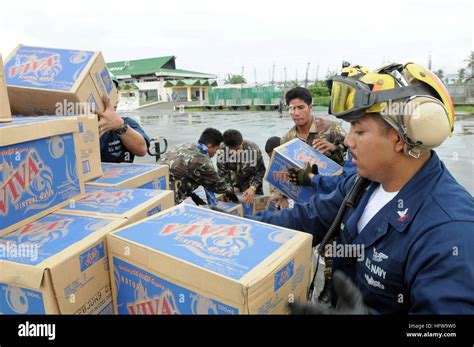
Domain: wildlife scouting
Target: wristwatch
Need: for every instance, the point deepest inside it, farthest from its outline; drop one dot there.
(253, 188)
(122, 130)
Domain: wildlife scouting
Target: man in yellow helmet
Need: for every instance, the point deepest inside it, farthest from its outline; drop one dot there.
(409, 226)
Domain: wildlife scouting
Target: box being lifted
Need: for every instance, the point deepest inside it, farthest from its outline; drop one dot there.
(47, 81)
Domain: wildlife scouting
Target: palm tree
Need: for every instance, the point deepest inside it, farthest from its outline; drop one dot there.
(439, 73)
(461, 75)
(235, 79)
(470, 65)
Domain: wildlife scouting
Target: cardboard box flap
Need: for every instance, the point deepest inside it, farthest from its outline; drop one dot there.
(115, 201)
(23, 129)
(21, 275)
(46, 241)
(222, 243)
(119, 174)
(26, 65)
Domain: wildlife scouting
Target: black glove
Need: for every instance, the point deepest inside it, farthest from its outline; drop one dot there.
(197, 200)
(230, 196)
(349, 300)
(300, 177)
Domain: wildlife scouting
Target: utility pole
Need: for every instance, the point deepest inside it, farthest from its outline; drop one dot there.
(306, 76)
(429, 61)
(273, 74)
(242, 73)
(255, 75)
(284, 83)
(317, 74)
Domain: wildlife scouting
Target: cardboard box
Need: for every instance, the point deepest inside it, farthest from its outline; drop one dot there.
(259, 203)
(296, 153)
(47, 81)
(5, 112)
(190, 260)
(227, 207)
(57, 264)
(89, 146)
(39, 169)
(127, 175)
(127, 203)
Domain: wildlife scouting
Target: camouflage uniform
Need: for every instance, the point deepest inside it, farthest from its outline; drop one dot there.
(242, 174)
(189, 169)
(322, 129)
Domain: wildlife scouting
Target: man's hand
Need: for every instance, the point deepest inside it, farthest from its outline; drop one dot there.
(302, 177)
(109, 119)
(349, 300)
(248, 195)
(323, 146)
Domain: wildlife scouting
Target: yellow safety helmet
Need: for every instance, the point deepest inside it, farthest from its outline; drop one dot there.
(409, 97)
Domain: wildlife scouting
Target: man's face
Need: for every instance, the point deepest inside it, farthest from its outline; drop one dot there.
(372, 148)
(300, 112)
(212, 150)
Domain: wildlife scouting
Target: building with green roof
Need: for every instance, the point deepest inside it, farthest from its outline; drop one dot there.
(157, 79)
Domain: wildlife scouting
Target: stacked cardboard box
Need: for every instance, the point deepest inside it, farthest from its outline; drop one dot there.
(124, 203)
(39, 169)
(47, 81)
(190, 260)
(259, 203)
(5, 112)
(296, 154)
(126, 175)
(57, 264)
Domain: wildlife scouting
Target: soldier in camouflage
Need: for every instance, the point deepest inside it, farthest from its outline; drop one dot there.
(323, 135)
(190, 167)
(240, 163)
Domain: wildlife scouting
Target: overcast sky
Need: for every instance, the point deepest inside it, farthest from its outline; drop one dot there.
(218, 36)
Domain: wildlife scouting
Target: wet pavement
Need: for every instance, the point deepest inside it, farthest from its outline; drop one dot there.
(457, 152)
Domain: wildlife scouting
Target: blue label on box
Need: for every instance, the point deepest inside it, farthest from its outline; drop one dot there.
(16, 300)
(159, 183)
(248, 208)
(229, 207)
(118, 173)
(48, 236)
(35, 176)
(108, 200)
(142, 293)
(46, 68)
(91, 256)
(106, 80)
(284, 275)
(228, 245)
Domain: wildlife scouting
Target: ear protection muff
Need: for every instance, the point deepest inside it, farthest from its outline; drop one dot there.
(422, 122)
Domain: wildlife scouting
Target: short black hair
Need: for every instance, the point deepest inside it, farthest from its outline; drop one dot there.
(211, 136)
(272, 143)
(233, 138)
(299, 93)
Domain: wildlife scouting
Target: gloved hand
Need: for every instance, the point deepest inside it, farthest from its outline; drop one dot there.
(230, 196)
(197, 200)
(349, 300)
(300, 177)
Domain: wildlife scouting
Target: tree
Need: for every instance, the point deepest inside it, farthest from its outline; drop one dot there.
(470, 65)
(439, 73)
(235, 79)
(461, 75)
